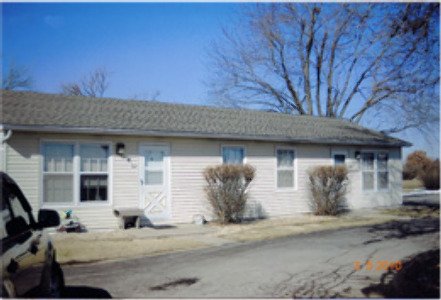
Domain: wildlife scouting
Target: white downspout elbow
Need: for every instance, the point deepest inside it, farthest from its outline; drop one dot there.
(3, 140)
(7, 136)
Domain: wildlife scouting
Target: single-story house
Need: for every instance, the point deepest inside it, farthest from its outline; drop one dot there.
(92, 155)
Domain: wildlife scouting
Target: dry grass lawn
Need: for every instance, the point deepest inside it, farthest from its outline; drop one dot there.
(118, 244)
(276, 228)
(415, 183)
(413, 212)
(92, 247)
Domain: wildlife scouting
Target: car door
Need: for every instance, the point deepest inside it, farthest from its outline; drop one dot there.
(5, 216)
(23, 251)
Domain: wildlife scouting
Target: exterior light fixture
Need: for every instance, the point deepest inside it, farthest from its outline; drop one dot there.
(357, 155)
(120, 149)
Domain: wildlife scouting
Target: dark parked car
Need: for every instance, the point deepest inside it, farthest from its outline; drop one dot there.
(29, 267)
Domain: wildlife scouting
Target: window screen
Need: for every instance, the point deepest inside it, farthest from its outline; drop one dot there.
(233, 155)
(58, 172)
(285, 168)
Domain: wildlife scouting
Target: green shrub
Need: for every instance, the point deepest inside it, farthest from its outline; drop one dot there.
(430, 177)
(328, 187)
(226, 190)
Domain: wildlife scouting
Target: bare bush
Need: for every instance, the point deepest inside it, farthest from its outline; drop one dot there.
(430, 177)
(226, 190)
(416, 165)
(328, 187)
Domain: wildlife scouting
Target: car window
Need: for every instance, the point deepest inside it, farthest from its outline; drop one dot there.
(15, 222)
(16, 206)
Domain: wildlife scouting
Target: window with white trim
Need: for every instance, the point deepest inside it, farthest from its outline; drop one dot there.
(93, 172)
(375, 171)
(68, 180)
(58, 173)
(233, 155)
(285, 168)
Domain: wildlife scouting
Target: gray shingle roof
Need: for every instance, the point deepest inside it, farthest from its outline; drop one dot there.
(52, 112)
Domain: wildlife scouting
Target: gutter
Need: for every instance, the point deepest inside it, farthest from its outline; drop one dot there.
(180, 134)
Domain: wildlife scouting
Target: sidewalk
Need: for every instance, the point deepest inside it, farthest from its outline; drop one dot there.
(120, 244)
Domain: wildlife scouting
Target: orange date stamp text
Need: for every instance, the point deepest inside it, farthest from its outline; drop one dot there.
(379, 265)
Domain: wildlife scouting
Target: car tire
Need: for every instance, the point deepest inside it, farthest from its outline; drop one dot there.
(56, 282)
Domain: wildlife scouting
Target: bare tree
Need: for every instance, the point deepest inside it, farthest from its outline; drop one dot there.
(16, 78)
(361, 62)
(93, 85)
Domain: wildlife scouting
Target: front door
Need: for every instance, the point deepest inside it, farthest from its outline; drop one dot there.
(154, 178)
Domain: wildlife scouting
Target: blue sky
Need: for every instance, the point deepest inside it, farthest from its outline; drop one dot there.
(147, 47)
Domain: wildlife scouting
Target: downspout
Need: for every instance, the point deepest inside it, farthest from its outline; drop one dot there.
(3, 140)
(7, 136)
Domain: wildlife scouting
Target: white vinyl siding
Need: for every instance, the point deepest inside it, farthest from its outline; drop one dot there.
(285, 168)
(188, 160)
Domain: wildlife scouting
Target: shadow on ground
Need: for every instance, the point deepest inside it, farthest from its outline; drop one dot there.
(419, 278)
(413, 203)
(85, 292)
(403, 229)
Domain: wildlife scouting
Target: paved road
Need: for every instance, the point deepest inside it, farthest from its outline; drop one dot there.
(312, 265)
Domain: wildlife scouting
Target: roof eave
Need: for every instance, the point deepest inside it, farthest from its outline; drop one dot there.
(157, 133)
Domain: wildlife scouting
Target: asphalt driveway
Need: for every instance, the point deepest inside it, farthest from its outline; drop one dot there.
(311, 265)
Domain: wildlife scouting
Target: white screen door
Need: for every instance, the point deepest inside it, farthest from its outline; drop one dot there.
(154, 178)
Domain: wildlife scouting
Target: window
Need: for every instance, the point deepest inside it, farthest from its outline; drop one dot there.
(382, 171)
(368, 171)
(233, 155)
(17, 207)
(15, 223)
(14, 205)
(74, 173)
(339, 159)
(375, 171)
(58, 173)
(285, 168)
(154, 167)
(93, 183)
